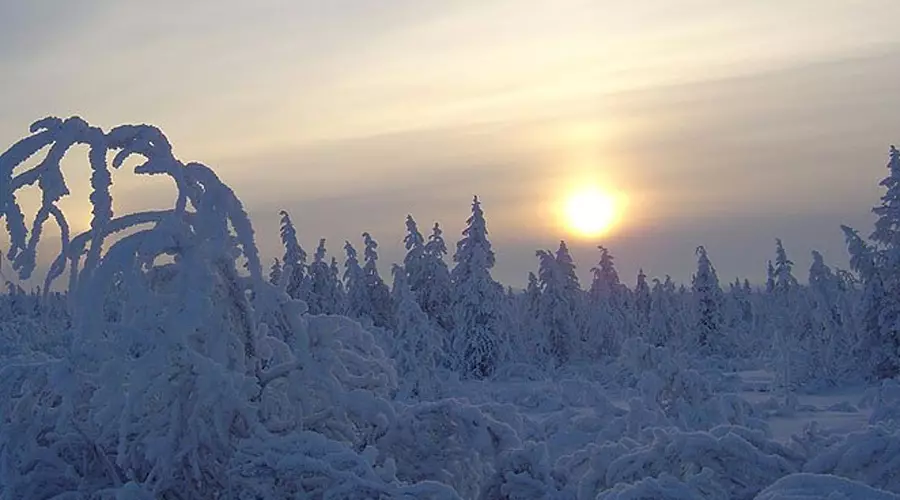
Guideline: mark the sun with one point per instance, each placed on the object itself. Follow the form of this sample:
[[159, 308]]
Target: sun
[[591, 212]]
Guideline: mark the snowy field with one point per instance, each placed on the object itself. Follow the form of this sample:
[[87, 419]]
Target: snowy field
[[161, 358]]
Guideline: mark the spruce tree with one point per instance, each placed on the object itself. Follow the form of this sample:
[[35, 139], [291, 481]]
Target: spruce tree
[[379, 294], [434, 289], [533, 343], [708, 303], [879, 267], [294, 258], [606, 286], [324, 295], [275, 272], [559, 301], [413, 262], [340, 294], [784, 280], [358, 304], [416, 346], [476, 300], [642, 299], [607, 324]]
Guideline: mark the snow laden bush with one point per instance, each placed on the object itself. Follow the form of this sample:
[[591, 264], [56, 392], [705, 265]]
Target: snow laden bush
[[458, 444], [683, 395], [728, 462], [198, 370], [871, 456], [810, 486], [885, 402]]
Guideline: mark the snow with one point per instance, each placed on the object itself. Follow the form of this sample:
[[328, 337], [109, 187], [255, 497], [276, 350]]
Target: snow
[[170, 368]]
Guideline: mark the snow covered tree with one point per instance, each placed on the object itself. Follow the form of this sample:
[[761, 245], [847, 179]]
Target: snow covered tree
[[358, 303], [417, 349], [878, 265], [659, 328], [275, 272], [413, 261], [155, 397], [831, 317], [642, 299], [606, 287], [607, 322], [434, 287], [379, 293], [340, 294], [559, 301], [325, 295], [531, 342], [294, 258], [783, 276], [476, 300], [708, 303]]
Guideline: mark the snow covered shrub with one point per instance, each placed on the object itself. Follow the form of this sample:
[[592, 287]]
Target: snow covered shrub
[[871, 456], [683, 395], [734, 460], [194, 358], [812, 440], [449, 441], [667, 487], [332, 378], [309, 465], [886, 403], [525, 474], [809, 486], [159, 392]]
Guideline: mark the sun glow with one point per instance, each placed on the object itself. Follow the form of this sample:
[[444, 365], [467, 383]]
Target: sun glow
[[591, 212]]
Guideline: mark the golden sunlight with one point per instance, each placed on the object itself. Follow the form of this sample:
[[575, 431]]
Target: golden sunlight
[[591, 212]]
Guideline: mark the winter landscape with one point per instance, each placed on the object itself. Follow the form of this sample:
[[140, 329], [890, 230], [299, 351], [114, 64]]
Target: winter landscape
[[161, 358], [468, 250]]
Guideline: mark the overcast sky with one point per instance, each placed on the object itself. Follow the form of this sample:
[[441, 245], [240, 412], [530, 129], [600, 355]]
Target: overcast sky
[[725, 124]]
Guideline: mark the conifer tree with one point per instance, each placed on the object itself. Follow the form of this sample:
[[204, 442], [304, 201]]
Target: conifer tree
[[708, 303], [340, 297], [358, 304], [416, 346], [413, 262], [784, 280], [770, 277], [642, 299], [830, 313], [379, 294], [275, 272], [607, 324], [533, 345], [324, 296], [318, 276], [879, 267], [660, 324], [434, 289], [294, 258], [476, 300], [559, 301], [605, 286]]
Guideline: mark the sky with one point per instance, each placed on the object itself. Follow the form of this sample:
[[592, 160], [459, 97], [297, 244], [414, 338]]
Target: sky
[[723, 124]]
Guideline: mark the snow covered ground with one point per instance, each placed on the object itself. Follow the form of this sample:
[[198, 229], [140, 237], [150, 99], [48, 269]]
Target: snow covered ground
[[841, 410]]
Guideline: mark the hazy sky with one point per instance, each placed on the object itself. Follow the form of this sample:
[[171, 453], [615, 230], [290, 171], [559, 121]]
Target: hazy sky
[[726, 124]]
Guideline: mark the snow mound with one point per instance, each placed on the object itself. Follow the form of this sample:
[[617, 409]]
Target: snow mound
[[822, 486]]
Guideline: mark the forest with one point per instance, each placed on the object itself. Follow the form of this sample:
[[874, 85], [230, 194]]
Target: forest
[[163, 357]]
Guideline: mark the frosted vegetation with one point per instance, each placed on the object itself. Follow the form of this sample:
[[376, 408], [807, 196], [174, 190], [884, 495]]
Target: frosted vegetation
[[161, 360]]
